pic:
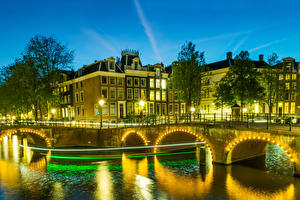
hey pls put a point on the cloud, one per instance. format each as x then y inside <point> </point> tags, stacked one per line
<point>266,45</point>
<point>147,29</point>
<point>93,34</point>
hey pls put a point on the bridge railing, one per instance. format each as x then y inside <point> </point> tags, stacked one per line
<point>273,121</point>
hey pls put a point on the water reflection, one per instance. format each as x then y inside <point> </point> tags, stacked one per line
<point>27,174</point>
<point>182,186</point>
<point>237,191</point>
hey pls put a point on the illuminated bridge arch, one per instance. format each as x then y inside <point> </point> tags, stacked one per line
<point>26,131</point>
<point>267,139</point>
<point>199,138</point>
<point>139,134</point>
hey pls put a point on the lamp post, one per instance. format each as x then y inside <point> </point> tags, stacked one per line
<point>101,103</point>
<point>142,104</point>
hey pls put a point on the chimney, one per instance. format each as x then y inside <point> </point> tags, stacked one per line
<point>229,55</point>
<point>261,57</point>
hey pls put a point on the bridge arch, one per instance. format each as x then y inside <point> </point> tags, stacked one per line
<point>139,134</point>
<point>199,138</point>
<point>26,131</point>
<point>267,139</point>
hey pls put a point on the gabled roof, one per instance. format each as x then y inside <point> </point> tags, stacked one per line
<point>229,62</point>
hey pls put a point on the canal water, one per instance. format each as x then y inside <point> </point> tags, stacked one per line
<point>28,174</point>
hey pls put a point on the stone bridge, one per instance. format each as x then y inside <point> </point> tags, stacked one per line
<point>225,144</point>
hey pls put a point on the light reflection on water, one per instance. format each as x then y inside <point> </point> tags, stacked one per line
<point>26,174</point>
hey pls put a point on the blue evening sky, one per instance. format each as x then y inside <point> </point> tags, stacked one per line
<point>98,29</point>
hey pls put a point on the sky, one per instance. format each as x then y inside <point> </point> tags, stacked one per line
<point>98,29</point>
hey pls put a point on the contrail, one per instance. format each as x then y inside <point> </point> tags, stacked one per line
<point>266,45</point>
<point>217,37</point>
<point>241,42</point>
<point>147,29</point>
<point>98,37</point>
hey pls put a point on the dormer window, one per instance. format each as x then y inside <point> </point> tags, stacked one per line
<point>157,72</point>
<point>135,65</point>
<point>111,66</point>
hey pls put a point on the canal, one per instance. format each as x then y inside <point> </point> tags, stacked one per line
<point>33,174</point>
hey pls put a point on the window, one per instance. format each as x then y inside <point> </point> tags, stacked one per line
<point>77,97</point>
<point>164,109</point>
<point>151,108</point>
<point>129,93</point>
<point>96,109</point>
<point>105,109</point>
<point>293,96</point>
<point>112,80</point>
<point>65,88</point>
<point>82,110</point>
<point>143,94</point>
<point>157,72</point>
<point>152,95</point>
<point>294,76</point>
<point>286,108</point>
<point>129,108</point>
<point>176,109</point>
<point>120,81</point>
<point>170,109</point>
<point>151,83</point>
<point>136,94</point>
<point>104,80</point>
<point>112,109</point>
<point>170,96</point>
<point>81,96</point>
<point>69,99</point>
<point>129,81</point>
<point>163,95</point>
<point>135,65</point>
<point>76,85</point>
<point>111,66</point>
<point>120,93</point>
<point>293,86</point>
<point>136,82</point>
<point>182,108</point>
<point>81,84</point>
<point>287,86</point>
<point>157,83</point>
<point>157,95</point>
<point>287,77</point>
<point>143,82</point>
<point>104,92</point>
<point>163,84</point>
<point>293,108</point>
<point>280,77</point>
<point>158,109</point>
<point>112,93</point>
<point>78,111</point>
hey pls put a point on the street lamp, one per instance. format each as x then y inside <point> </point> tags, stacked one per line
<point>53,111</point>
<point>101,103</point>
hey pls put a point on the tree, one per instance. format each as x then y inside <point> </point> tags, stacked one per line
<point>224,95</point>
<point>242,82</point>
<point>31,82</point>
<point>187,74</point>
<point>270,81</point>
<point>46,56</point>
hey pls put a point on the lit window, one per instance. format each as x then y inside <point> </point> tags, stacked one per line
<point>287,86</point>
<point>280,76</point>
<point>157,83</point>
<point>158,95</point>
<point>151,83</point>
<point>163,84</point>
<point>164,95</point>
<point>152,95</point>
<point>294,76</point>
<point>287,77</point>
